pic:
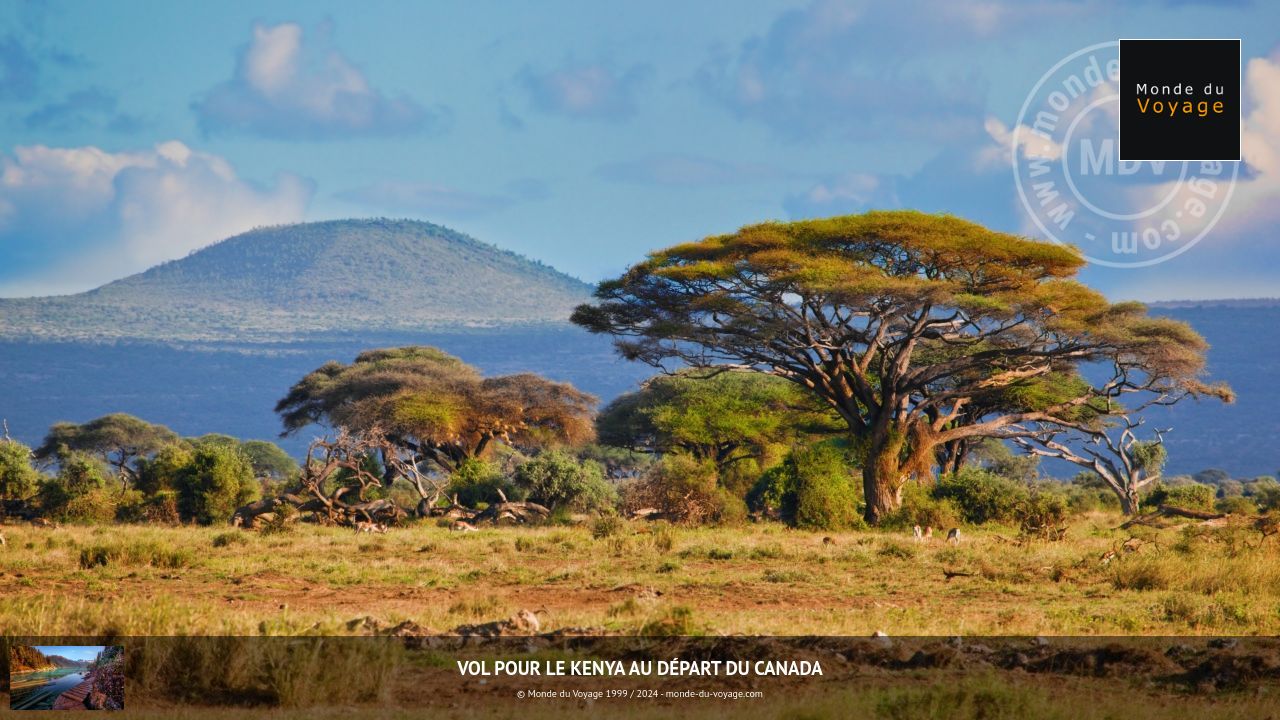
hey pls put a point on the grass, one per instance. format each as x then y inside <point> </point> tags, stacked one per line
<point>755,579</point>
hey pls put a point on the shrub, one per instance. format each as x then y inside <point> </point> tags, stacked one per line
<point>680,488</point>
<point>227,539</point>
<point>1192,496</point>
<point>1042,514</point>
<point>607,526</point>
<point>18,480</point>
<point>130,506</point>
<point>920,507</point>
<point>1236,505</point>
<point>557,479</point>
<point>476,481</point>
<point>78,493</point>
<point>162,508</point>
<point>160,473</point>
<point>136,552</point>
<point>981,496</point>
<point>1266,495</point>
<point>218,480</point>
<point>813,488</point>
<point>92,507</point>
<point>729,508</point>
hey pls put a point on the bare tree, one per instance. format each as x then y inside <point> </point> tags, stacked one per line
<point>1120,458</point>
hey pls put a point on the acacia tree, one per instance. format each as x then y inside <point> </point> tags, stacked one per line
<point>724,418</point>
<point>119,439</point>
<point>435,410</point>
<point>902,322</point>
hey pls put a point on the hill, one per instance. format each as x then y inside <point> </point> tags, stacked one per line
<point>25,658</point>
<point>291,281</point>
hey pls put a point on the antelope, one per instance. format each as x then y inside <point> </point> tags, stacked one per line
<point>3,542</point>
<point>917,534</point>
<point>44,523</point>
<point>928,532</point>
<point>953,536</point>
<point>368,527</point>
<point>461,526</point>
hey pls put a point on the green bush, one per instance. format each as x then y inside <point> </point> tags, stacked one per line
<point>1042,514</point>
<point>814,488</point>
<point>130,506</point>
<point>79,492</point>
<point>92,507</point>
<point>160,473</point>
<point>607,526</point>
<point>1192,496</point>
<point>679,487</point>
<point>135,552</point>
<point>218,480</point>
<point>476,481</point>
<point>981,496</point>
<point>920,507</point>
<point>1266,495</point>
<point>729,508</point>
<point>18,480</point>
<point>557,479</point>
<point>1082,499</point>
<point>1236,505</point>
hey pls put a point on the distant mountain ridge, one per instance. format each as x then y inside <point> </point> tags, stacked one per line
<point>290,281</point>
<point>1218,303</point>
<point>25,658</point>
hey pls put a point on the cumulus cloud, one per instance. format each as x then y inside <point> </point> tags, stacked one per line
<point>289,87</point>
<point>592,91</point>
<point>74,218</point>
<point>841,68</point>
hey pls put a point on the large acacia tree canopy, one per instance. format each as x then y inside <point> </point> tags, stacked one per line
<point>917,329</point>
<point>433,402</point>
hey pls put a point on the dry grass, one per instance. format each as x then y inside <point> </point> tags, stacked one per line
<point>758,579</point>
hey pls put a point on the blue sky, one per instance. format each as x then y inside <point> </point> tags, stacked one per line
<point>86,653</point>
<point>582,134</point>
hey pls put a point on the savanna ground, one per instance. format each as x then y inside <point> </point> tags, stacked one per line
<point>759,579</point>
<point>634,579</point>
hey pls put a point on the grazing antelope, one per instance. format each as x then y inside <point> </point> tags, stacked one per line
<point>44,523</point>
<point>953,536</point>
<point>368,527</point>
<point>825,541</point>
<point>461,526</point>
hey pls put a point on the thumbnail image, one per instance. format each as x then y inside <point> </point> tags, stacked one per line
<point>66,677</point>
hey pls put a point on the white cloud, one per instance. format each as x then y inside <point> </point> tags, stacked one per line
<point>74,218</point>
<point>852,192</point>
<point>585,90</point>
<point>285,87</point>
<point>843,68</point>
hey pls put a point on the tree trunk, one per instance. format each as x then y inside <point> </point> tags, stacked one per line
<point>1129,501</point>
<point>882,476</point>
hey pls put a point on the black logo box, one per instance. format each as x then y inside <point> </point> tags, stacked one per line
<point>1185,64</point>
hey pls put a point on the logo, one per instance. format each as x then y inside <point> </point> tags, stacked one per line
<point>1077,189</point>
<point>1180,100</point>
